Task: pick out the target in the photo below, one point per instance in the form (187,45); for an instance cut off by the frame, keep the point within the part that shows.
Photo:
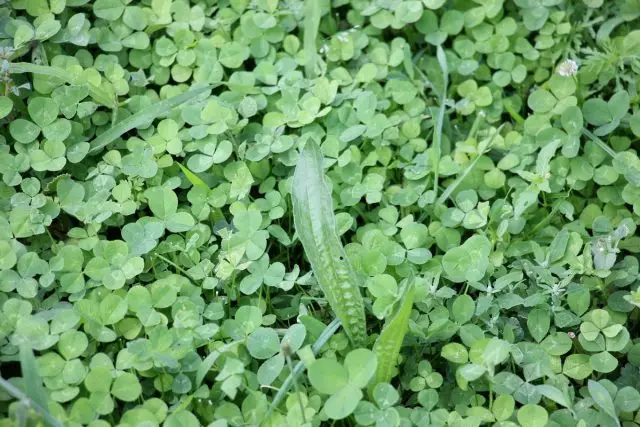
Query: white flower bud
(567,68)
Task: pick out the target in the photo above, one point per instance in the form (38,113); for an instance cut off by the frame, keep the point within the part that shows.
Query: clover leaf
(343,382)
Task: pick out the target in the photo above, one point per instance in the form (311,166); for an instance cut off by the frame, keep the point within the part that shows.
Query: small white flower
(567,68)
(342,37)
(324,48)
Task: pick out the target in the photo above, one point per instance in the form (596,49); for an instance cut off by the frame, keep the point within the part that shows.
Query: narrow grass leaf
(194,179)
(144,116)
(451,188)
(600,143)
(44,70)
(32,382)
(99,94)
(437,131)
(34,392)
(18,394)
(208,361)
(312,14)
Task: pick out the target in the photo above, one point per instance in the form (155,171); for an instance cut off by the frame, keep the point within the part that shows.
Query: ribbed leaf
(316,227)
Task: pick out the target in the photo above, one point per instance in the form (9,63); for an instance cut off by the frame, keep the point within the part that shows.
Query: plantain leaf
(316,227)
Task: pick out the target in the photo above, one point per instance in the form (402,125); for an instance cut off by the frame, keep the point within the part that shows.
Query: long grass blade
(600,143)
(99,94)
(315,224)
(208,361)
(32,382)
(312,13)
(44,70)
(34,394)
(144,116)
(437,131)
(451,188)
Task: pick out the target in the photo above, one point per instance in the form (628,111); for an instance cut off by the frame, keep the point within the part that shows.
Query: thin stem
(513,113)
(450,189)
(476,124)
(176,266)
(297,387)
(326,334)
(546,220)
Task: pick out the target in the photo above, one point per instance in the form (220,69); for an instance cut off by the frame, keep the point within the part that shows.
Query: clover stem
(513,113)
(326,334)
(177,267)
(297,387)
(476,124)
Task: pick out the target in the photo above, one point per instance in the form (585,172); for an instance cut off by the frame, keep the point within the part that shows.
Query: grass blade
(18,394)
(600,143)
(99,94)
(388,344)
(437,131)
(451,188)
(312,13)
(43,70)
(34,394)
(208,361)
(32,382)
(315,224)
(192,177)
(144,116)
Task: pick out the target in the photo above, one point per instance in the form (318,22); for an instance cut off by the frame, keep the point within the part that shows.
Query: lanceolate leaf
(388,344)
(316,227)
